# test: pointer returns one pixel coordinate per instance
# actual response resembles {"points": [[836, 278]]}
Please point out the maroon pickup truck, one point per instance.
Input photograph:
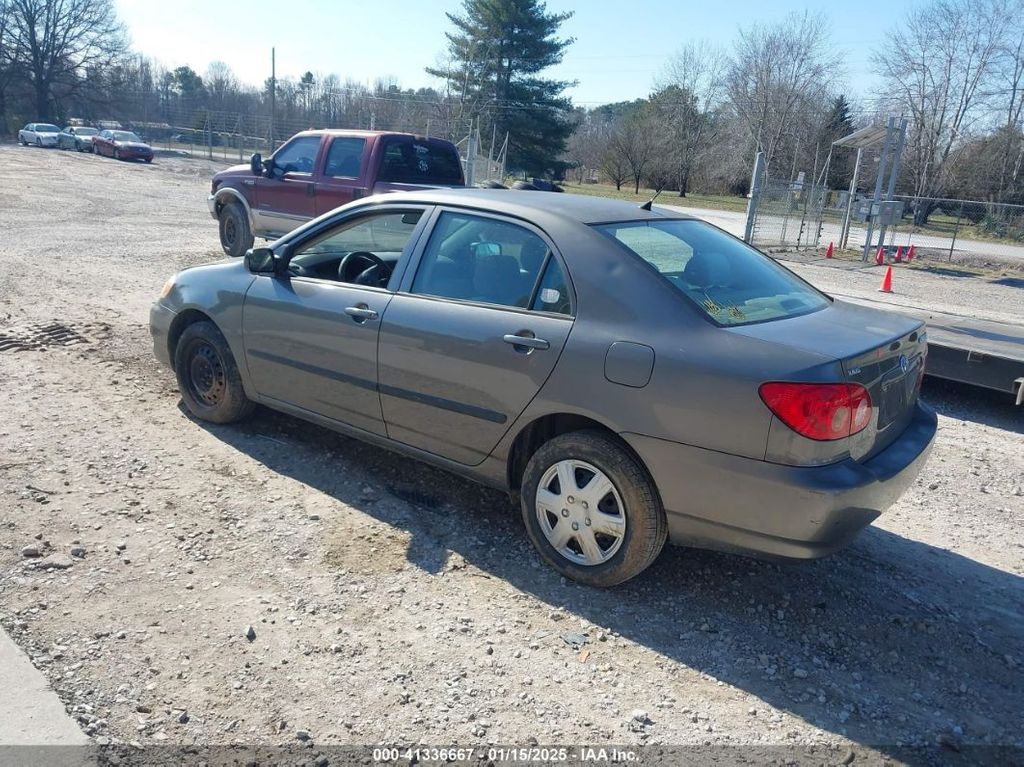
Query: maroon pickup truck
{"points": [[319, 170]]}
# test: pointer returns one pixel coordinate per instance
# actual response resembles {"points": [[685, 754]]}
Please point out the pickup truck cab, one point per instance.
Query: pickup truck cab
{"points": [[317, 171]]}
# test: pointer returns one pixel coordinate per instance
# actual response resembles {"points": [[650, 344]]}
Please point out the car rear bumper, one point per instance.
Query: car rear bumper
{"points": [[726, 502], [160, 319]]}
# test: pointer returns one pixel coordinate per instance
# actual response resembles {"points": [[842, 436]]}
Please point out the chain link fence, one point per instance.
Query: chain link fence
{"points": [[795, 214], [234, 136], [784, 213]]}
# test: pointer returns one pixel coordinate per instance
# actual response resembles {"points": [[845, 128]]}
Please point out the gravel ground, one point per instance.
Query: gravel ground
{"points": [[276, 583]]}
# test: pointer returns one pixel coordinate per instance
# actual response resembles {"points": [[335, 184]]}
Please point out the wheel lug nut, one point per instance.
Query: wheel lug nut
{"points": [[575, 525], [565, 512], [570, 499], [588, 521], [586, 505]]}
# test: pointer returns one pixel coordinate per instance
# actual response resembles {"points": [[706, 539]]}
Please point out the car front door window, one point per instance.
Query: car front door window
{"points": [[361, 251]]}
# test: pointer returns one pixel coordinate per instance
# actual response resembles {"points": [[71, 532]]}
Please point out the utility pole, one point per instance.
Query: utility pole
{"points": [[273, 97]]}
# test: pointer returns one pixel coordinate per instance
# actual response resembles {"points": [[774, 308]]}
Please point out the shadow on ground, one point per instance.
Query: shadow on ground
{"points": [[891, 642]]}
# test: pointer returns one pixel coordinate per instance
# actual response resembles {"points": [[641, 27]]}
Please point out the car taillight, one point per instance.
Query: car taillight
{"points": [[819, 411]]}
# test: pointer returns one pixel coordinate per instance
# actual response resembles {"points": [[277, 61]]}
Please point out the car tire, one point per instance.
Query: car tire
{"points": [[117, 154], [39, 142], [208, 376], [631, 502], [149, 160], [235, 235]]}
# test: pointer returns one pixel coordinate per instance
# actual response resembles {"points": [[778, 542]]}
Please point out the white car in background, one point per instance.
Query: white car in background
{"points": [[40, 134]]}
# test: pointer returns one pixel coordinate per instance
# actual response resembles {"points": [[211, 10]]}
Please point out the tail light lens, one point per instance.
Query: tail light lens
{"points": [[819, 411]]}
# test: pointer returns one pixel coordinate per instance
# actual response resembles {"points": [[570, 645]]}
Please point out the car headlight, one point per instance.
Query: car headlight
{"points": [[167, 288]]}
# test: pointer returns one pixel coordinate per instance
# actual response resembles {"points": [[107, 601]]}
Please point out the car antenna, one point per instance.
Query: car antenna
{"points": [[647, 205]]}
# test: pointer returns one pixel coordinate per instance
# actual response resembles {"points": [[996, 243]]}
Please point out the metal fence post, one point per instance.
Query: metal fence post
{"points": [[755, 195], [956, 231]]}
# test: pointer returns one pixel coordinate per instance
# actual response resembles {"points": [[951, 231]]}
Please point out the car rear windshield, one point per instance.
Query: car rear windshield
{"points": [[86, 131], [729, 281], [123, 135], [47, 128], [409, 161]]}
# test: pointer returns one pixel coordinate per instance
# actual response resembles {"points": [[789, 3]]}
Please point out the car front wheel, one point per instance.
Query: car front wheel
{"points": [[591, 509], [208, 376], [235, 235]]}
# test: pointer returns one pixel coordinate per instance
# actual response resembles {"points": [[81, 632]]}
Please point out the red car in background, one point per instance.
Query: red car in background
{"points": [[122, 145]]}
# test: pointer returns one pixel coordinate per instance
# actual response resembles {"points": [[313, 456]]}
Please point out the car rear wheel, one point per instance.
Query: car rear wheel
{"points": [[591, 509], [117, 154], [208, 376], [235, 235], [39, 142]]}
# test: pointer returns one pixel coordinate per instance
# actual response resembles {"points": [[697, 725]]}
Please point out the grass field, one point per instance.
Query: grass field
{"points": [[710, 201]]}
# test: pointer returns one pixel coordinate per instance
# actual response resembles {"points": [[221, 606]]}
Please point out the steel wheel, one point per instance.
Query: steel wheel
{"points": [[230, 237], [580, 512], [206, 377]]}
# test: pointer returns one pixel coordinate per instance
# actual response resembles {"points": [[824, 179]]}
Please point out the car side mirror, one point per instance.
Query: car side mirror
{"points": [[260, 261], [256, 164], [268, 167]]}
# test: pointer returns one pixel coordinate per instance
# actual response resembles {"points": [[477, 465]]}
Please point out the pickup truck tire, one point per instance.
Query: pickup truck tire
{"points": [[235, 234]]}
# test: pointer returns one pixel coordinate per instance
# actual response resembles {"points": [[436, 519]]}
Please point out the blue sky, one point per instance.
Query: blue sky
{"points": [[619, 51]]}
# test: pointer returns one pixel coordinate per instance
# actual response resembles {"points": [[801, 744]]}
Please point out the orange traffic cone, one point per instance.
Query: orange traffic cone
{"points": [[899, 254], [828, 253], [880, 256], [886, 281], [910, 254]]}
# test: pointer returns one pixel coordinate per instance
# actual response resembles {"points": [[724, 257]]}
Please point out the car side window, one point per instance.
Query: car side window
{"points": [[345, 157], [360, 251], [473, 258], [298, 155], [553, 292]]}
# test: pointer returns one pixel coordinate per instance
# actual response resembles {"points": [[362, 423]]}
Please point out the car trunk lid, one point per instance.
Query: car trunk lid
{"points": [[882, 351]]}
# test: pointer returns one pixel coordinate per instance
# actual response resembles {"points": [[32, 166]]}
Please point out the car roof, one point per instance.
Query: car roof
{"points": [[529, 204]]}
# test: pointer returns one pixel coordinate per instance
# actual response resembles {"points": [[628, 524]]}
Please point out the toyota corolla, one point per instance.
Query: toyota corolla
{"points": [[628, 375]]}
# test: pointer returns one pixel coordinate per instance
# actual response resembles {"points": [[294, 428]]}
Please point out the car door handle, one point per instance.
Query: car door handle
{"points": [[360, 313], [528, 341]]}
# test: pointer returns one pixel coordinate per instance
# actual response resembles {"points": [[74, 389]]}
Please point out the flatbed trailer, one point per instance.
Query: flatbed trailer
{"points": [[973, 351]]}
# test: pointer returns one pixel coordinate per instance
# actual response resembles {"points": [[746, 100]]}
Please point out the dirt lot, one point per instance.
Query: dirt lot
{"points": [[394, 603]]}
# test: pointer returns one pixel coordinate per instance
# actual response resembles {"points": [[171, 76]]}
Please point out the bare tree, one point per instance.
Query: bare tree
{"points": [[691, 89], [613, 160], [948, 52], [53, 40], [6, 61], [636, 142], [1009, 92], [778, 73]]}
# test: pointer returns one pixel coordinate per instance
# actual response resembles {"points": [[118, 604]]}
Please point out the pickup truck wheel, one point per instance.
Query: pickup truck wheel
{"points": [[591, 509], [208, 377], [235, 235]]}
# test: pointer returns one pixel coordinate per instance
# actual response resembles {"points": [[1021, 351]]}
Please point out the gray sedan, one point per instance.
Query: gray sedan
{"points": [[629, 375], [77, 137]]}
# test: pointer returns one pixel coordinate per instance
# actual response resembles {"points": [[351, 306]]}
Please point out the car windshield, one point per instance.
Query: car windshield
{"points": [[124, 135], [85, 131], [728, 280], [46, 128]]}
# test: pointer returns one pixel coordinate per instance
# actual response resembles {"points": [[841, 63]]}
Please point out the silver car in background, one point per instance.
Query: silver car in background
{"points": [[38, 134], [630, 375], [77, 137]]}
